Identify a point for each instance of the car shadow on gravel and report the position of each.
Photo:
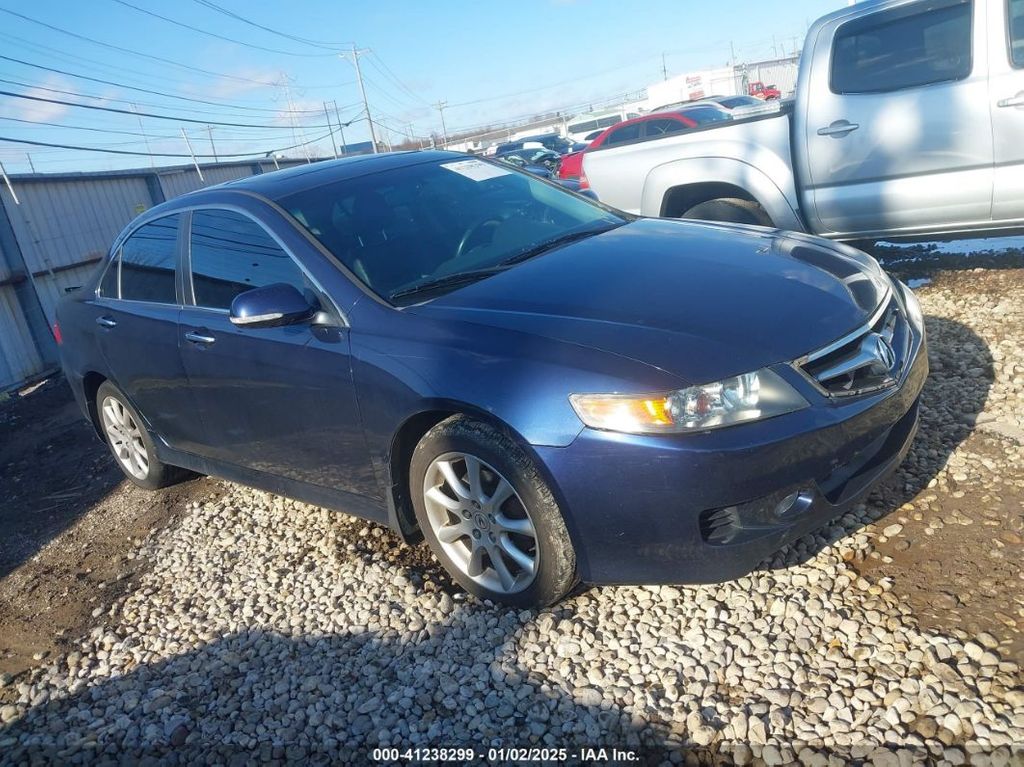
(961, 375)
(258, 696)
(53, 470)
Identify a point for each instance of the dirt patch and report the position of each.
(71, 524)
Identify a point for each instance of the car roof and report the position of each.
(282, 183)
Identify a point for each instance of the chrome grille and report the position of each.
(869, 359)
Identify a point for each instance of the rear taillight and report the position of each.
(584, 184)
(57, 334)
(571, 166)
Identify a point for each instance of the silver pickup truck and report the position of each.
(908, 120)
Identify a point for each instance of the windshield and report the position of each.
(423, 223)
(740, 101)
(705, 114)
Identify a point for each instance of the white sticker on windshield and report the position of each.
(475, 169)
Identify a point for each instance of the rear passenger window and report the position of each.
(1015, 17)
(230, 254)
(148, 260)
(623, 134)
(657, 128)
(901, 48)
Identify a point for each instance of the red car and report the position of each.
(651, 125)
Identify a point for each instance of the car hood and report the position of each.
(700, 301)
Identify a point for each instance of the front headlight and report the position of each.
(747, 397)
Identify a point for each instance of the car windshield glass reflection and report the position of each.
(420, 224)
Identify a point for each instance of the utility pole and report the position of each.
(145, 138)
(286, 81)
(334, 144)
(664, 69)
(732, 53)
(441, 106)
(30, 165)
(194, 160)
(341, 129)
(209, 132)
(356, 53)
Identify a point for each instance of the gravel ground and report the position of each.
(269, 629)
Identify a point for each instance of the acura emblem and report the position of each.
(876, 346)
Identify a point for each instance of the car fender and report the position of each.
(757, 183)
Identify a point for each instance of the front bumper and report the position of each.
(699, 508)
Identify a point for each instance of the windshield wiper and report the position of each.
(565, 239)
(462, 278)
(448, 281)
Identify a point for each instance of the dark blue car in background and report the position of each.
(543, 388)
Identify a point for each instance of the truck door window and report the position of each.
(1015, 19)
(903, 47)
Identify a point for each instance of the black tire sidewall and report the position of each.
(159, 474)
(557, 571)
(728, 210)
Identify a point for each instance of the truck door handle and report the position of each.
(106, 322)
(839, 128)
(198, 338)
(1015, 101)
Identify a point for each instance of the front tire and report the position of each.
(730, 210)
(488, 515)
(130, 441)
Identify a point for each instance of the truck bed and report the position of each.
(637, 177)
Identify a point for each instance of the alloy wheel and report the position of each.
(481, 522)
(125, 438)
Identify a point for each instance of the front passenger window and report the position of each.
(230, 254)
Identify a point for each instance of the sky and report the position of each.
(490, 62)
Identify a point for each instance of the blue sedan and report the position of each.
(545, 389)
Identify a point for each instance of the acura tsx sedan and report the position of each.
(545, 389)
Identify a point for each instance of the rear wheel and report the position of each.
(731, 210)
(131, 442)
(488, 515)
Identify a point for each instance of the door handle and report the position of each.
(1014, 101)
(839, 128)
(106, 322)
(198, 338)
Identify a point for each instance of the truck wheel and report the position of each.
(730, 210)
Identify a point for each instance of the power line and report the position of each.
(144, 90)
(214, 34)
(113, 131)
(378, 63)
(155, 154)
(271, 30)
(193, 110)
(173, 118)
(106, 68)
(111, 46)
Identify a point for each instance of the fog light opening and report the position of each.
(794, 503)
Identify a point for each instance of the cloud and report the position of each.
(39, 111)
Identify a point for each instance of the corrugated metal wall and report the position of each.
(781, 73)
(56, 231)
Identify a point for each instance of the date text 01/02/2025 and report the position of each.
(502, 754)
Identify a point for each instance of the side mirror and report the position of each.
(270, 306)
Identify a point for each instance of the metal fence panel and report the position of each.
(19, 357)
